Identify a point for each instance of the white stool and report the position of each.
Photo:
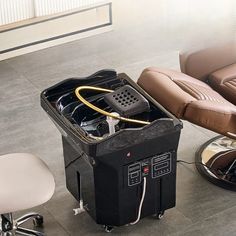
(25, 182)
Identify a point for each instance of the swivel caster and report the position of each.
(7, 234)
(160, 215)
(108, 228)
(38, 221)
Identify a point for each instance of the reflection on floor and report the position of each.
(202, 208)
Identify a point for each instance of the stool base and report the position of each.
(216, 161)
(11, 227)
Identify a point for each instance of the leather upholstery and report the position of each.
(221, 160)
(25, 182)
(199, 63)
(224, 82)
(190, 99)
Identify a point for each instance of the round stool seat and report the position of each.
(25, 182)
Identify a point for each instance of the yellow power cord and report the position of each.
(77, 92)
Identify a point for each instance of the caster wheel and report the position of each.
(7, 234)
(38, 221)
(108, 228)
(160, 215)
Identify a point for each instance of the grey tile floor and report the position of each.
(202, 209)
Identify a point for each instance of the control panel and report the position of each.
(134, 174)
(161, 165)
(154, 167)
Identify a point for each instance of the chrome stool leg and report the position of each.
(37, 219)
(10, 227)
(28, 232)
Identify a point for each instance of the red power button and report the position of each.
(146, 170)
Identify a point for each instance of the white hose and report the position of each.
(141, 202)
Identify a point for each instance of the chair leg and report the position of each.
(28, 232)
(37, 218)
(8, 234)
(10, 227)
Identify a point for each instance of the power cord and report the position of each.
(208, 167)
(192, 163)
(141, 201)
(145, 185)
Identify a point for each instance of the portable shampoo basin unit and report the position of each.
(119, 147)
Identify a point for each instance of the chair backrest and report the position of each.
(200, 63)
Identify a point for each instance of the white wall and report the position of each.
(47, 7)
(17, 10)
(176, 24)
(60, 30)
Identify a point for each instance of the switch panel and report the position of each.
(145, 168)
(152, 168)
(161, 165)
(134, 174)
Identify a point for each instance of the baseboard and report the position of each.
(55, 31)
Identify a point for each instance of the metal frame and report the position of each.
(109, 4)
(207, 173)
(10, 227)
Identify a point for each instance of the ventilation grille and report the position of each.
(125, 98)
(127, 101)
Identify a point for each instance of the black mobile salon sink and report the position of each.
(108, 173)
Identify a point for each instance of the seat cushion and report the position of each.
(224, 82)
(190, 99)
(25, 182)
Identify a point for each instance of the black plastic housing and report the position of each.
(99, 171)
